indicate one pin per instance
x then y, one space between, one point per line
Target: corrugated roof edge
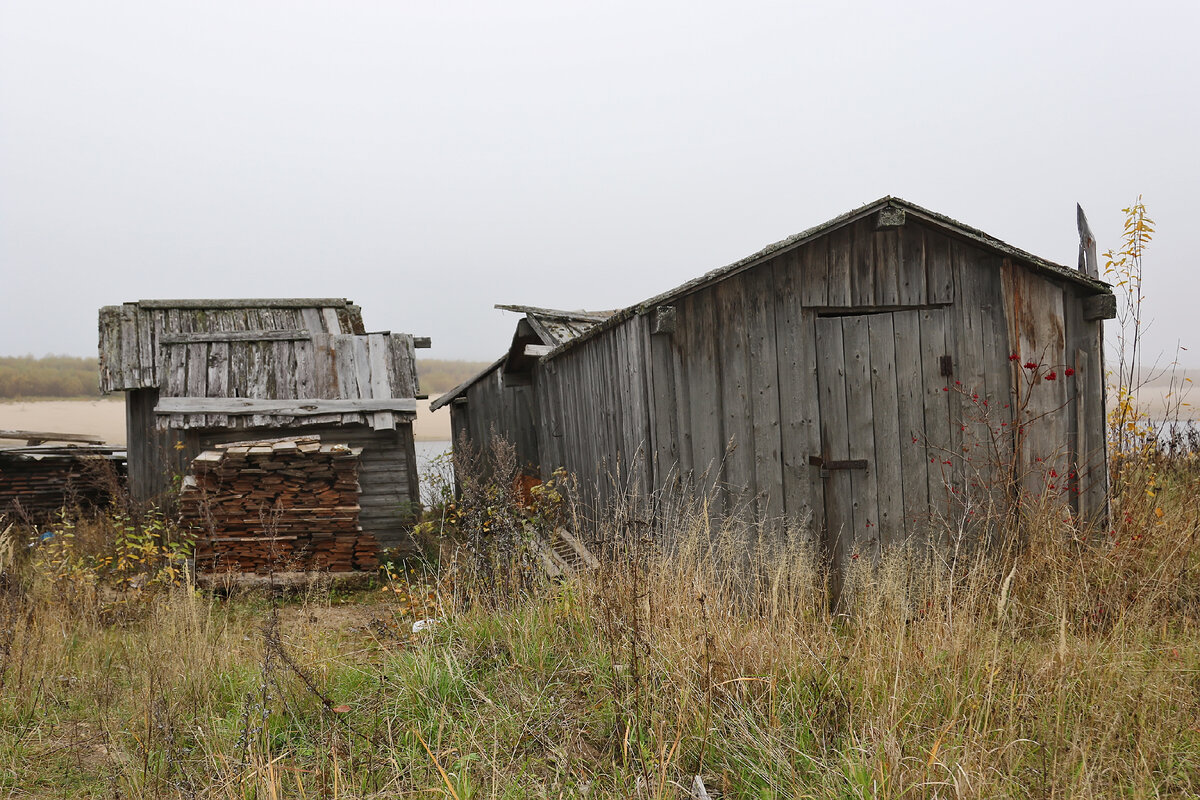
447 397
941 220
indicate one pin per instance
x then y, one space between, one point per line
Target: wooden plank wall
131 336
153 458
506 409
333 367
730 401
594 408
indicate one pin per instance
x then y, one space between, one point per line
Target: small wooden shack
500 397
887 367
198 373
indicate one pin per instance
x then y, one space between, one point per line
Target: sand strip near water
106 418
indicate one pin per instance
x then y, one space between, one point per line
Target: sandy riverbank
106 418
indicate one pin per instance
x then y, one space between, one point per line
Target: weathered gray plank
147 349
131 360
763 356
910 410
233 336
968 383
861 428
839 265
683 411
939 274
796 385
663 402
333 321
887 266
912 266
887 464
862 265
298 408
197 376
937 416
735 389
811 261
708 441
835 441
1034 309
272 302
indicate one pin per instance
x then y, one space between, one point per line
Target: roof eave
796 240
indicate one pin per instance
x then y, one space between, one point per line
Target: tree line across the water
27 377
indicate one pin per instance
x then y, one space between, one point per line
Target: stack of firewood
279 505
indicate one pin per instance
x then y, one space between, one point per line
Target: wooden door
875 399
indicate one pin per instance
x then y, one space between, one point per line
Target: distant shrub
439 376
48 376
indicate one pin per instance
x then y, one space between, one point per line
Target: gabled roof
932 218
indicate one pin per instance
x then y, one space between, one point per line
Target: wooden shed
198 373
500 397
887 367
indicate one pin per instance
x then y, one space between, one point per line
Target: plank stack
37 481
279 505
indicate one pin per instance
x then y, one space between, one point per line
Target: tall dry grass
1067 667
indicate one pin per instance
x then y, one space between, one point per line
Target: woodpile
279 505
37 482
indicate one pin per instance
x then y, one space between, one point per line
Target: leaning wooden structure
500 398
887 367
198 373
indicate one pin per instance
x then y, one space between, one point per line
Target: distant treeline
72 376
49 376
439 376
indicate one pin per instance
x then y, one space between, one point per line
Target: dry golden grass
1066 667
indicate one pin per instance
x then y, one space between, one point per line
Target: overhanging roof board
461 389
553 326
374 367
556 327
940 221
132 334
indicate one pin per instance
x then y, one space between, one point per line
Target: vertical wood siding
836 350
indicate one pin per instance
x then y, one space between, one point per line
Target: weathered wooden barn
198 373
889 366
500 398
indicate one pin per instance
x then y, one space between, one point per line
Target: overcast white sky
429 160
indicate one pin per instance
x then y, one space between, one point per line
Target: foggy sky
430 160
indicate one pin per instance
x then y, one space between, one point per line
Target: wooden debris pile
37 481
280 505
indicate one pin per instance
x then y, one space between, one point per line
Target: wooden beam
37 437
1100 306
262 302
235 336
283 407
422 342
537 350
